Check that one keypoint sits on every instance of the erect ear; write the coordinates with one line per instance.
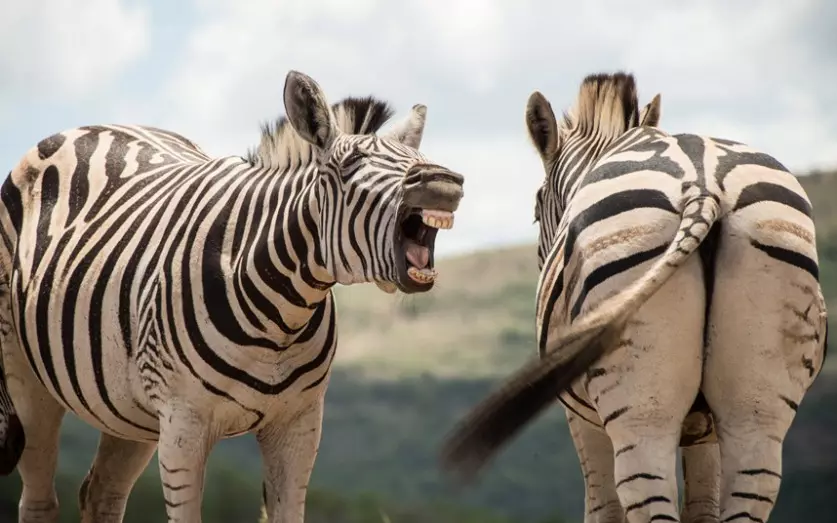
(650, 114)
(541, 124)
(308, 111)
(410, 130)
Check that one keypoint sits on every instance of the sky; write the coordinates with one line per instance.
(761, 72)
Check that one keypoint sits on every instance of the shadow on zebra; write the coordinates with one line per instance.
(646, 345)
(171, 299)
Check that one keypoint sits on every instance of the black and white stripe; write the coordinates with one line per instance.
(170, 299)
(647, 346)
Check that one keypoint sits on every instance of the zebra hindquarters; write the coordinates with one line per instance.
(644, 391)
(766, 341)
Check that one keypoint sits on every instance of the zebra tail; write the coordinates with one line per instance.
(490, 425)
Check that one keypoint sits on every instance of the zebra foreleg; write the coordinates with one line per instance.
(289, 451)
(41, 415)
(104, 491)
(186, 438)
(595, 454)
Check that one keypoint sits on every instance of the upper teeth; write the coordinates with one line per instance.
(437, 219)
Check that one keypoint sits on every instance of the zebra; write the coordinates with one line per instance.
(171, 299)
(634, 332)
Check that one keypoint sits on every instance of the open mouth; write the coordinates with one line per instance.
(418, 237)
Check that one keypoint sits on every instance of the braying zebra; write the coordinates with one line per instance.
(171, 299)
(634, 330)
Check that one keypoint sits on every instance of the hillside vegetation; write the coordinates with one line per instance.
(409, 367)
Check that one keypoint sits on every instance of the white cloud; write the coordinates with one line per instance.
(502, 175)
(62, 49)
(759, 72)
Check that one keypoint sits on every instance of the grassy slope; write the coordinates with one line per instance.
(407, 368)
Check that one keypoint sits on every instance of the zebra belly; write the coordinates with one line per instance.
(75, 350)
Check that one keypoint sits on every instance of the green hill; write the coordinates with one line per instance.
(408, 368)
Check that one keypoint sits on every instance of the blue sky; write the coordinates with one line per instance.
(760, 72)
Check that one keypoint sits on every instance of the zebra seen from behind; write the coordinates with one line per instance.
(635, 332)
(171, 299)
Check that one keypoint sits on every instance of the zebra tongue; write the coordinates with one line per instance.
(417, 255)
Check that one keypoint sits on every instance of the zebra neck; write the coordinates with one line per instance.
(282, 273)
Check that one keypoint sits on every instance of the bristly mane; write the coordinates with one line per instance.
(606, 105)
(282, 147)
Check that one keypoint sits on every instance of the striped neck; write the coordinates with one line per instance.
(277, 276)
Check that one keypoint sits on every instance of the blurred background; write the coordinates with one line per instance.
(759, 72)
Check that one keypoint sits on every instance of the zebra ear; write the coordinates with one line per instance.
(541, 124)
(308, 111)
(410, 130)
(650, 114)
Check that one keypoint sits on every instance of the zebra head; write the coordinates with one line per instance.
(606, 108)
(380, 202)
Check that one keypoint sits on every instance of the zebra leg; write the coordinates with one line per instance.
(644, 391)
(104, 491)
(702, 485)
(289, 451)
(186, 438)
(40, 415)
(766, 346)
(595, 453)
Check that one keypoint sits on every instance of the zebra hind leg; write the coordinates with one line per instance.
(116, 467)
(644, 391)
(289, 451)
(186, 439)
(595, 454)
(40, 416)
(767, 334)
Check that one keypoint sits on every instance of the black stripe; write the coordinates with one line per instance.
(744, 515)
(792, 257)
(750, 495)
(771, 192)
(10, 195)
(760, 472)
(647, 501)
(656, 162)
(694, 148)
(84, 147)
(623, 450)
(731, 159)
(49, 146)
(640, 475)
(608, 270)
(613, 205)
(48, 199)
(616, 414)
(789, 402)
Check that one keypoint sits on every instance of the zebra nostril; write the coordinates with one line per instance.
(432, 187)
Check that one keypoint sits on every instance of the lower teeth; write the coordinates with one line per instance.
(421, 275)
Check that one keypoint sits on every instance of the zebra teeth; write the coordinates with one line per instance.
(421, 275)
(437, 219)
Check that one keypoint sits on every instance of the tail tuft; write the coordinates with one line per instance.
(497, 419)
